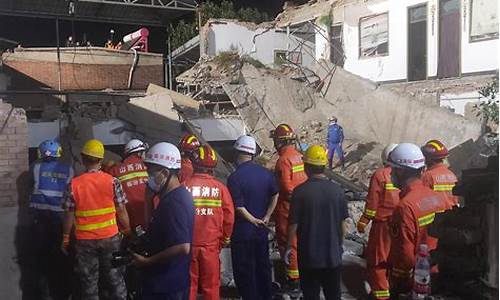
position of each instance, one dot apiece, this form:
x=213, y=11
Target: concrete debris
x=311, y=10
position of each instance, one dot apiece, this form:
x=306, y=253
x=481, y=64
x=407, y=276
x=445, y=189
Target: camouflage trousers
x=94, y=269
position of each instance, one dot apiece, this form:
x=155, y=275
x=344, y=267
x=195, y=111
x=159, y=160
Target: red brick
x=7, y=202
x=6, y=169
x=22, y=130
x=17, y=149
x=16, y=137
x=21, y=155
x=17, y=162
x=8, y=130
x=9, y=144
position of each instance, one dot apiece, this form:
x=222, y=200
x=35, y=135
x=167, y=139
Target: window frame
x=359, y=35
x=484, y=38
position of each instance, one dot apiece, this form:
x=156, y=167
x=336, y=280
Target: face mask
x=153, y=185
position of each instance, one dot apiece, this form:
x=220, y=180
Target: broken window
x=374, y=36
x=483, y=20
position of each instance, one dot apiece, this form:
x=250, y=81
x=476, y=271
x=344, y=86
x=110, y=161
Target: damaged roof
x=293, y=15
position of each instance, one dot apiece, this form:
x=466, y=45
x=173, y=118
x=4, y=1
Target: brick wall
x=85, y=76
x=13, y=156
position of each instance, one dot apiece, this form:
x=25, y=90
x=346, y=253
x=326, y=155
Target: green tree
x=490, y=106
x=184, y=31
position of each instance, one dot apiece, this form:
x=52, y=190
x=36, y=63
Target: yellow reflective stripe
x=96, y=225
x=443, y=187
x=133, y=175
x=95, y=212
x=297, y=168
x=227, y=240
x=293, y=273
x=436, y=145
x=402, y=273
x=370, y=213
x=190, y=139
x=390, y=187
x=381, y=294
x=426, y=220
x=202, y=153
x=207, y=202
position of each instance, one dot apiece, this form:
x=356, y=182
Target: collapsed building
x=345, y=58
x=315, y=60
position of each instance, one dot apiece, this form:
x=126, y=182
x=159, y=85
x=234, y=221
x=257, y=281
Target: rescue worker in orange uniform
x=416, y=211
x=134, y=179
x=290, y=173
x=382, y=199
x=94, y=203
x=437, y=176
x=213, y=224
x=187, y=145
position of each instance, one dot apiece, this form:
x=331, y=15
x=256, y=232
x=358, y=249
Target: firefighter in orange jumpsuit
x=134, y=178
x=416, y=211
x=290, y=173
x=382, y=199
x=187, y=145
x=213, y=224
x=437, y=176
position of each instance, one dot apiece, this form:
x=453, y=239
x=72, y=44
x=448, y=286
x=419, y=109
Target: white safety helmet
x=387, y=150
x=407, y=155
x=246, y=143
x=135, y=145
x=165, y=155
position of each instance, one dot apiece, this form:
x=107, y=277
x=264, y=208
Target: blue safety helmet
x=49, y=148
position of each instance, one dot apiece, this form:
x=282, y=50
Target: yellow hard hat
x=316, y=156
x=93, y=148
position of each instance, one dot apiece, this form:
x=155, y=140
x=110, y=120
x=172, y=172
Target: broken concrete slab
x=178, y=99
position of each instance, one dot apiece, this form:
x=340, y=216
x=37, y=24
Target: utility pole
x=169, y=54
x=58, y=55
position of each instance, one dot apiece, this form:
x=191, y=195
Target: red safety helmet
x=434, y=150
x=189, y=143
x=205, y=157
x=283, y=132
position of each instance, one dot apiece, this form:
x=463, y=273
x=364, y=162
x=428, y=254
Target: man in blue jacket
x=254, y=190
x=50, y=178
x=334, y=141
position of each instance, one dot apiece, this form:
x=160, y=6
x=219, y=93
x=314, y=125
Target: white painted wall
x=41, y=131
x=457, y=103
x=223, y=36
x=475, y=57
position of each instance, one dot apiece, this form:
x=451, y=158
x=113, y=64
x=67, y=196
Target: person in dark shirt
x=165, y=273
x=317, y=215
x=255, y=193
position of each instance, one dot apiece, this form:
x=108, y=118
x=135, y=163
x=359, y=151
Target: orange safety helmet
x=189, y=143
x=283, y=132
x=205, y=157
x=434, y=150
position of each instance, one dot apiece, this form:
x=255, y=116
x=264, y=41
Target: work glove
x=288, y=253
x=361, y=227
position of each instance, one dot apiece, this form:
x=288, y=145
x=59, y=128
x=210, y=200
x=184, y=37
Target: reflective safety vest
x=382, y=198
x=51, y=179
x=95, y=213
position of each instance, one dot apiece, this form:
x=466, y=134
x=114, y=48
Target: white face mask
x=153, y=184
